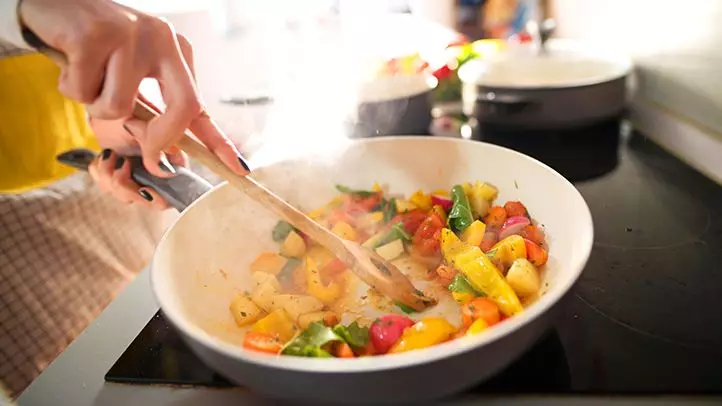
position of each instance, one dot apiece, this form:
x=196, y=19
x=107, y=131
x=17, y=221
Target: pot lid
x=565, y=63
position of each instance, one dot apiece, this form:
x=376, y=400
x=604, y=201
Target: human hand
x=110, y=49
x=112, y=172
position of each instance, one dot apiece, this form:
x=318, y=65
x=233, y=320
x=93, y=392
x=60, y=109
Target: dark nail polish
x=145, y=195
x=106, y=153
x=127, y=129
x=119, y=163
x=243, y=163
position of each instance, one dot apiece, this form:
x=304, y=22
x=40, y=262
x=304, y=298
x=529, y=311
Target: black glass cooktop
x=646, y=315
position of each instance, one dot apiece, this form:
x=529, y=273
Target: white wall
x=677, y=46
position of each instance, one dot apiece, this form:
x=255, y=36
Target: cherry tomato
x=514, y=209
x=535, y=254
x=495, y=217
x=533, y=233
x=386, y=330
x=262, y=342
x=411, y=220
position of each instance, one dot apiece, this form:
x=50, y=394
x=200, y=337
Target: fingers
x=82, y=78
x=122, y=78
x=112, y=174
x=209, y=134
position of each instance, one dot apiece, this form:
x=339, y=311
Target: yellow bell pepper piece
x=441, y=192
x=507, y=250
x=278, y=322
x=463, y=297
x=377, y=187
x=320, y=255
x=345, y=231
x=477, y=327
x=325, y=293
x=426, y=333
x=481, y=273
x=323, y=210
x=474, y=233
x=421, y=200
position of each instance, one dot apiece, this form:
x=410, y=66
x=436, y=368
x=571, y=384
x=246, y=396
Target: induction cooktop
x=646, y=314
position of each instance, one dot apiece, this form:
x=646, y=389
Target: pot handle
x=505, y=103
x=179, y=191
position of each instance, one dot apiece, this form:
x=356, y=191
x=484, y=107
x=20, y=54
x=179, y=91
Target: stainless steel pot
x=565, y=84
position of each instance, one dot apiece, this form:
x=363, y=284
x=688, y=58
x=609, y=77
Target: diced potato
x=523, y=277
x=474, y=233
x=486, y=191
x=277, y=322
x=263, y=278
x=421, y=200
x=268, y=262
x=296, y=305
x=480, y=196
x=326, y=317
x=263, y=295
x=244, y=311
x=391, y=250
x=402, y=206
x=345, y=231
x=507, y=250
x=293, y=246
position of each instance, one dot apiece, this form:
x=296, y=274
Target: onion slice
x=513, y=225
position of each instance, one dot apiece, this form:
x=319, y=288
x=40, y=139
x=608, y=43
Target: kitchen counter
x=642, y=321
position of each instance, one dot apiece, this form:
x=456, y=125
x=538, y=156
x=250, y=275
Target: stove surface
x=645, y=317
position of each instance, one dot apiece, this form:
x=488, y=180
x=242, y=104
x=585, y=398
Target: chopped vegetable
x=460, y=216
x=440, y=211
x=296, y=305
x=480, y=308
x=513, y=225
x=446, y=274
x=427, y=238
x=293, y=246
x=386, y=330
x=481, y=273
x=480, y=196
x=428, y=332
x=276, y=323
x=285, y=276
x=534, y=234
x=389, y=210
x=507, y=250
x=356, y=193
x=345, y=231
x=244, y=311
x=342, y=350
x=474, y=234
x=514, y=209
x=392, y=250
x=327, y=294
x=535, y=254
x=411, y=220
x=333, y=268
x=442, y=201
x=404, y=308
x=490, y=238
x=328, y=318
x=421, y=200
x=264, y=291
x=268, y=262
x=403, y=206
x=478, y=326
x=523, y=277
x=460, y=285
x=281, y=230
x=397, y=232
x=262, y=342
x=310, y=341
x=353, y=334
x=496, y=217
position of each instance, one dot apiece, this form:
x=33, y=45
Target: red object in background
x=443, y=72
x=521, y=38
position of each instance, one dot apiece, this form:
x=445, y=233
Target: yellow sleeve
x=36, y=124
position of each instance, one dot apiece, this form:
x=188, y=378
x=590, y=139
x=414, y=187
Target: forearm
x=10, y=24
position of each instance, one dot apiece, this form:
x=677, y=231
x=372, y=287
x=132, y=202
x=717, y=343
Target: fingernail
x=165, y=165
x=127, y=129
x=106, y=153
x=244, y=164
x=119, y=163
x=145, y=195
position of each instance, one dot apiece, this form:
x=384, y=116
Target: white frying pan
x=203, y=260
